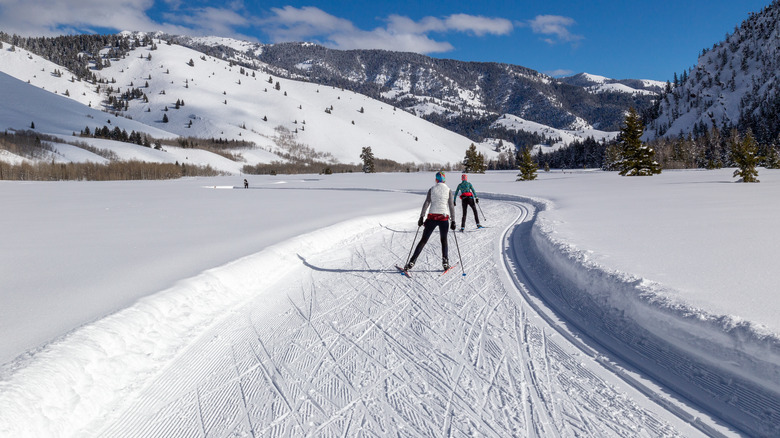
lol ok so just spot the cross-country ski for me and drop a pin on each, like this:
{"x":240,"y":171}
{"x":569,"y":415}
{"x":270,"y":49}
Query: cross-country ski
{"x":403,"y":271}
{"x":451,"y":268}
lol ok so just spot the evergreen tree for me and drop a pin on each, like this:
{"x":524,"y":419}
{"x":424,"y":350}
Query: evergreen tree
{"x":474,"y":161}
{"x":165,"y":118}
{"x":527,"y":165}
{"x":743,"y":153}
{"x":612,"y":158}
{"x":637,"y":159}
{"x":772,"y":159}
{"x":368,"y":159}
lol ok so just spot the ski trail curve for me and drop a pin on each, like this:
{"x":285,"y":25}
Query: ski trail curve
{"x":704,"y":395}
{"x":355,"y":349}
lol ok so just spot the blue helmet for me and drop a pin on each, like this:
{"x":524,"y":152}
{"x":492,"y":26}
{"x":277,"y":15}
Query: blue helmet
{"x":440,"y":176}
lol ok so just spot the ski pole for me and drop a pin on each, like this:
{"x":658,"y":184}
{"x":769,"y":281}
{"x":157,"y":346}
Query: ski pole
{"x":459,"y":258}
{"x":480,"y":210}
{"x":410,"y":249}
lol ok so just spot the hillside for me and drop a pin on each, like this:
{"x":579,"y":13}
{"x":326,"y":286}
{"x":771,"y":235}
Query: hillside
{"x":734,"y":84}
{"x":221,"y":100}
{"x":474,"y":93}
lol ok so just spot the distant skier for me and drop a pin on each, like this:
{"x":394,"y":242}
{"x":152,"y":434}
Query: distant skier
{"x":468,"y":198}
{"x":246,"y":184}
{"x":442,"y":210}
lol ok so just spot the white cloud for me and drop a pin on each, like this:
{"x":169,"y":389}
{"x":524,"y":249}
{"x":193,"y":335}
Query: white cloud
{"x":405,"y":25}
{"x":46,"y":18}
{"x":288,"y":23}
{"x":559,"y":73}
{"x":300,"y":24}
{"x":385,"y":40}
{"x":479,"y":25}
{"x":401,"y":33}
{"x":209,"y":21}
{"x":555,"y":26}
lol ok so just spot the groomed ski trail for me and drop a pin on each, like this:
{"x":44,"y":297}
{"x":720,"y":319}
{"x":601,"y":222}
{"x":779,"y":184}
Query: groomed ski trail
{"x":351,"y":348}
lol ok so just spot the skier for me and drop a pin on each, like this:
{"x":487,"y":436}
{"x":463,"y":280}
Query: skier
{"x":468,"y":198}
{"x":442,"y":210}
{"x":246,"y":184}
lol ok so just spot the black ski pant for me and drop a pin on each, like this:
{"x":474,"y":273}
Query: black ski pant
{"x":431,"y":225}
{"x":468,"y":201}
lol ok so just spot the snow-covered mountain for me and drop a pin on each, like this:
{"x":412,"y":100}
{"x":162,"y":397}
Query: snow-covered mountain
{"x":560,"y":137}
{"x":602,"y":84}
{"x":467,"y":97}
{"x":169,"y":91}
{"x":734,"y":84}
{"x":228,"y":86}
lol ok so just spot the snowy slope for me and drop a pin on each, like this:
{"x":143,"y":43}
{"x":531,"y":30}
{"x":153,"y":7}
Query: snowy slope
{"x":565,"y":137}
{"x":735,"y":77}
{"x":229,"y":102}
{"x":277,"y":309}
{"x":601,"y":84}
{"x":63,"y":116}
{"x":24,"y":104}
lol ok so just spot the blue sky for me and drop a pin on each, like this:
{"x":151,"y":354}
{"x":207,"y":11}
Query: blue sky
{"x":614,"y":38}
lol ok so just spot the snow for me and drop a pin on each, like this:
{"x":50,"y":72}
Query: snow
{"x":619,"y":88}
{"x":581,"y":131}
{"x":593,"y":304}
{"x":598,"y":79}
{"x":121,"y":298}
{"x":221,"y":102}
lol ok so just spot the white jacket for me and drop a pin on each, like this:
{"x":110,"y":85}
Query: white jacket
{"x":440,"y":201}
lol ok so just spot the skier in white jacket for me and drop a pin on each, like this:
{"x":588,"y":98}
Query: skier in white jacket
{"x":442,"y":211}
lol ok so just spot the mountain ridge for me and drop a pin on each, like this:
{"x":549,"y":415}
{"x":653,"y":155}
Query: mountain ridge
{"x":733,"y":85}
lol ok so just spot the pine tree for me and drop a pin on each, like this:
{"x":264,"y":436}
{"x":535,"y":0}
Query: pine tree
{"x":637,"y":159}
{"x":743,"y":153}
{"x":772,"y":159}
{"x":474,"y":161}
{"x":612,"y":158}
{"x":527,"y":165}
{"x":368,"y":159}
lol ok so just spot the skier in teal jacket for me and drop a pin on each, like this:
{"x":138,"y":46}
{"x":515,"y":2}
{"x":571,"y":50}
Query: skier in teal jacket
{"x":468,"y":197}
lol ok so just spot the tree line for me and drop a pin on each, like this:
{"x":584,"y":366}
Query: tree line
{"x":89,"y":171}
{"x":712,"y":150}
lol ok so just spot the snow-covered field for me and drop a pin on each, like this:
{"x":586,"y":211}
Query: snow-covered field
{"x":593,"y":305}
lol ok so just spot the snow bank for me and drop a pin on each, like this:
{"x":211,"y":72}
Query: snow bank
{"x":741,"y":347}
{"x":86,"y":374}
{"x":726,"y":364}
{"x":729,"y":365}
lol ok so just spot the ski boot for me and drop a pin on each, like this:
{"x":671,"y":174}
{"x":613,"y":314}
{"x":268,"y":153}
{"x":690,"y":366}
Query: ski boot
{"x":409,"y":266}
{"x":479,"y":226}
{"x":462,"y":229}
{"x":445,"y":263}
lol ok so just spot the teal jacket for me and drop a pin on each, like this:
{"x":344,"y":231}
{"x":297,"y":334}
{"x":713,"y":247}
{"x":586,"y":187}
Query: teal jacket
{"x":466,"y":190}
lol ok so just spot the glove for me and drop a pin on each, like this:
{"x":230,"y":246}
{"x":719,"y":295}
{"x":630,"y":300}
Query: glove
{"x":452,"y":225}
{"x":420,"y":221}
{"x":476,"y":200}
{"x":454,"y":202}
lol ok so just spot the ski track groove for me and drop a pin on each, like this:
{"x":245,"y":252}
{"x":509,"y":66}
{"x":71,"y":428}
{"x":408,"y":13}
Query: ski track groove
{"x":358,"y":350}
